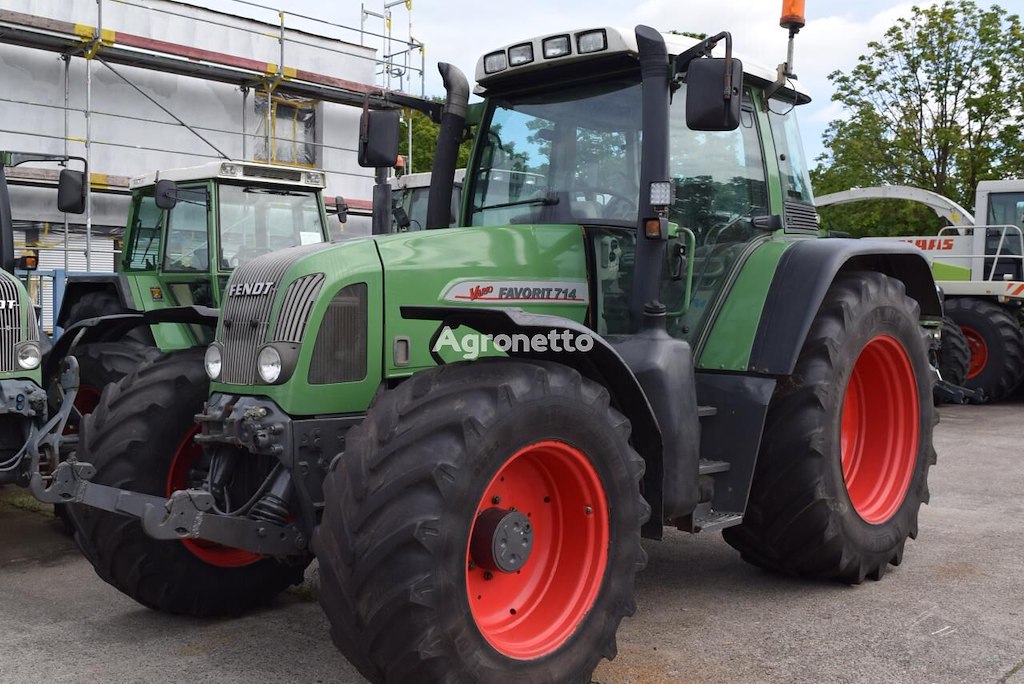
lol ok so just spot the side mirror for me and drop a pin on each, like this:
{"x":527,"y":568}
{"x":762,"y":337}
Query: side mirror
{"x":378,"y":138}
{"x":166,"y":194}
{"x":707,"y":107}
{"x":342,"y":207}
{"x":71,"y":192}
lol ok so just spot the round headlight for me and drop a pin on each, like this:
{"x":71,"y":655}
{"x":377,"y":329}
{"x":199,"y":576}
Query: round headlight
{"x":29,"y":356}
{"x":269,"y":364}
{"x":213,"y":361}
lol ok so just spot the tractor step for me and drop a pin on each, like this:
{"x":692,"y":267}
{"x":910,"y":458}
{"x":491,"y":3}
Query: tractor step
{"x":705,"y":520}
{"x":706,"y":411}
{"x":707,"y":467}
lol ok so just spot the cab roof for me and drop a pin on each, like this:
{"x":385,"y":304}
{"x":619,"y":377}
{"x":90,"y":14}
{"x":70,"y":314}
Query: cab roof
{"x":254,"y":172}
{"x":619,"y":41}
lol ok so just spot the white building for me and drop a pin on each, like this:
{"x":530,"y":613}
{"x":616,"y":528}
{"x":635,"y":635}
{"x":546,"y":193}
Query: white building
{"x":168,"y":85}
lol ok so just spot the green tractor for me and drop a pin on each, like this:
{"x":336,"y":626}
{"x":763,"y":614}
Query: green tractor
{"x":23,"y":401}
{"x":472,"y":428}
{"x":187,"y":230}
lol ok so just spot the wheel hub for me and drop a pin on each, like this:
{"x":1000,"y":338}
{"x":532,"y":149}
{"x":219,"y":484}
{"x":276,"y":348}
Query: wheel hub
{"x":502,"y":540}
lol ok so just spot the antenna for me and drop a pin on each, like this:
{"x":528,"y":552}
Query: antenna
{"x":793,"y":19}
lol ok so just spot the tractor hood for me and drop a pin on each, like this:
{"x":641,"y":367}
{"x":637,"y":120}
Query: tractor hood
{"x":17,"y":326}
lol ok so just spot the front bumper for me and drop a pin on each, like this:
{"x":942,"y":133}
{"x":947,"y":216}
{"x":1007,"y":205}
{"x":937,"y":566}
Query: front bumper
{"x":305,"y":448}
{"x":22,"y":411}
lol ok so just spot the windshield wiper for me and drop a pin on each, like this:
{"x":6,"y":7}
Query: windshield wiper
{"x":274,"y":191}
{"x":546,"y":201}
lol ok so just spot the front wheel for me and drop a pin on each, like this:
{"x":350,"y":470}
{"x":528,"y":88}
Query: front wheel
{"x":843,"y":466}
{"x":483,"y":525}
{"x":139,"y":438}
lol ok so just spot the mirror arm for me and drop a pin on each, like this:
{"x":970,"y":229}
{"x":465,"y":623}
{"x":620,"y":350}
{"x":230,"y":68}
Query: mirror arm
{"x":703,"y":49}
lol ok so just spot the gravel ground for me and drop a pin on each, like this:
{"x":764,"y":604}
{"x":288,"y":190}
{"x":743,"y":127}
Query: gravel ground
{"x":953,"y":612}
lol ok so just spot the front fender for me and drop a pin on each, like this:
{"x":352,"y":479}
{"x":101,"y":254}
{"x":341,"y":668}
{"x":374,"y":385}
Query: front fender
{"x":803,"y":277}
{"x":602,"y":364}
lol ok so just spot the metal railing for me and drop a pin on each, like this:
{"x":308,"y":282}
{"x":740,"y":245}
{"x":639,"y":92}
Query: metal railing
{"x":1005,"y":231}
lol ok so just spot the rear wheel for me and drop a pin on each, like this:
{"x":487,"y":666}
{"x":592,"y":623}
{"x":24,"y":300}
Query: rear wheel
{"x":843,"y":468}
{"x":106,"y":303}
{"x":954,"y":353}
{"x":483,"y":524}
{"x":140,"y":438}
{"x":997,"y":345}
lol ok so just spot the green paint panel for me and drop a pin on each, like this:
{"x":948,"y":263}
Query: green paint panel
{"x":732,"y":333}
{"x":168,"y":336}
{"x":441,"y":268}
{"x":943,"y":271}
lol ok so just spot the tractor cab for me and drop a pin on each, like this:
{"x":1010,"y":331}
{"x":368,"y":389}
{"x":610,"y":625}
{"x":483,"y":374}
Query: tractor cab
{"x":215,"y":218}
{"x":188,"y":229}
{"x":573,"y":155}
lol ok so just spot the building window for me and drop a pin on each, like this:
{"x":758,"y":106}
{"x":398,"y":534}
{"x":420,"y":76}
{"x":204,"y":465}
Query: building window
{"x":283,"y":129}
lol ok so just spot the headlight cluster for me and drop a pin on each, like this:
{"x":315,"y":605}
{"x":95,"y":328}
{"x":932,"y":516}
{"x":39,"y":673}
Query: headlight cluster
{"x":268,"y":364}
{"x":213,"y":361}
{"x":28,"y":355}
{"x":274,"y":362}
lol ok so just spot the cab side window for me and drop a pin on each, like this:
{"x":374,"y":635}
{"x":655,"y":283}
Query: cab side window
{"x":188,"y":245}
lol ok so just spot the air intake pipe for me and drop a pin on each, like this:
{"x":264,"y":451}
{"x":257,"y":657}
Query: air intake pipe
{"x":449,"y":138}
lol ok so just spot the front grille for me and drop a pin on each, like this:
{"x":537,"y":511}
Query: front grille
{"x":340,"y":352}
{"x":245,"y":318}
{"x":800,"y":216}
{"x":298,"y":303}
{"x":10,"y":322}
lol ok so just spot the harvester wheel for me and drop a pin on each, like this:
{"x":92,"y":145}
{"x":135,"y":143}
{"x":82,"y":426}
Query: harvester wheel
{"x":997,"y":345}
{"x":483,"y":525}
{"x":954,"y":353}
{"x":139,"y":439}
{"x":843,"y":467}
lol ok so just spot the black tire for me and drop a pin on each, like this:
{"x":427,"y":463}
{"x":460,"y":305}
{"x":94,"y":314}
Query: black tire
{"x":99,"y":364}
{"x":402,"y":499}
{"x":954,"y":355}
{"x":132,"y":439}
{"x":997,"y":345}
{"x":802,"y":517}
{"x":106,"y":303}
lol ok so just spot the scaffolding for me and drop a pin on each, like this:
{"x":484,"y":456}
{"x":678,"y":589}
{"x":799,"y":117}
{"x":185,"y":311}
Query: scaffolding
{"x":275,"y":80}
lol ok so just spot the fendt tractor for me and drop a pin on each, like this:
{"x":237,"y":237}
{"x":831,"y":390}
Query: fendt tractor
{"x":23,"y":400}
{"x":187,"y":230}
{"x":676,"y":348}
{"x":978,"y":261}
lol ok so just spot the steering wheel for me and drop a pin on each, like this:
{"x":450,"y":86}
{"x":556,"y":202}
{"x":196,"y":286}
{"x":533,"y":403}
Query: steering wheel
{"x":621,"y":205}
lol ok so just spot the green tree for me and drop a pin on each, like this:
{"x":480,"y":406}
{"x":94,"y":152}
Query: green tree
{"x":937,"y":103}
{"x":424,"y":141}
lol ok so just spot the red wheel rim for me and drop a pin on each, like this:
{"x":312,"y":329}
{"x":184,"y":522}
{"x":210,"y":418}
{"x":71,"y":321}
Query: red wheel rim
{"x":222,"y":556}
{"x":530,"y":613}
{"x":880,"y":429}
{"x":979,"y":351}
{"x":86,"y":401}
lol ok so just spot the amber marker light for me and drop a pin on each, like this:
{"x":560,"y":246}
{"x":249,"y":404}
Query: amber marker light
{"x":792,"y":15}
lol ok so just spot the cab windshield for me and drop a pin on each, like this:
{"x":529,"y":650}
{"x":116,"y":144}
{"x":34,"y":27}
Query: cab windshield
{"x":256,"y":220}
{"x":568,"y":156}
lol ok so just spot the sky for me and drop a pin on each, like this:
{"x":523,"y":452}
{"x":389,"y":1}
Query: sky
{"x":460,"y":31}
